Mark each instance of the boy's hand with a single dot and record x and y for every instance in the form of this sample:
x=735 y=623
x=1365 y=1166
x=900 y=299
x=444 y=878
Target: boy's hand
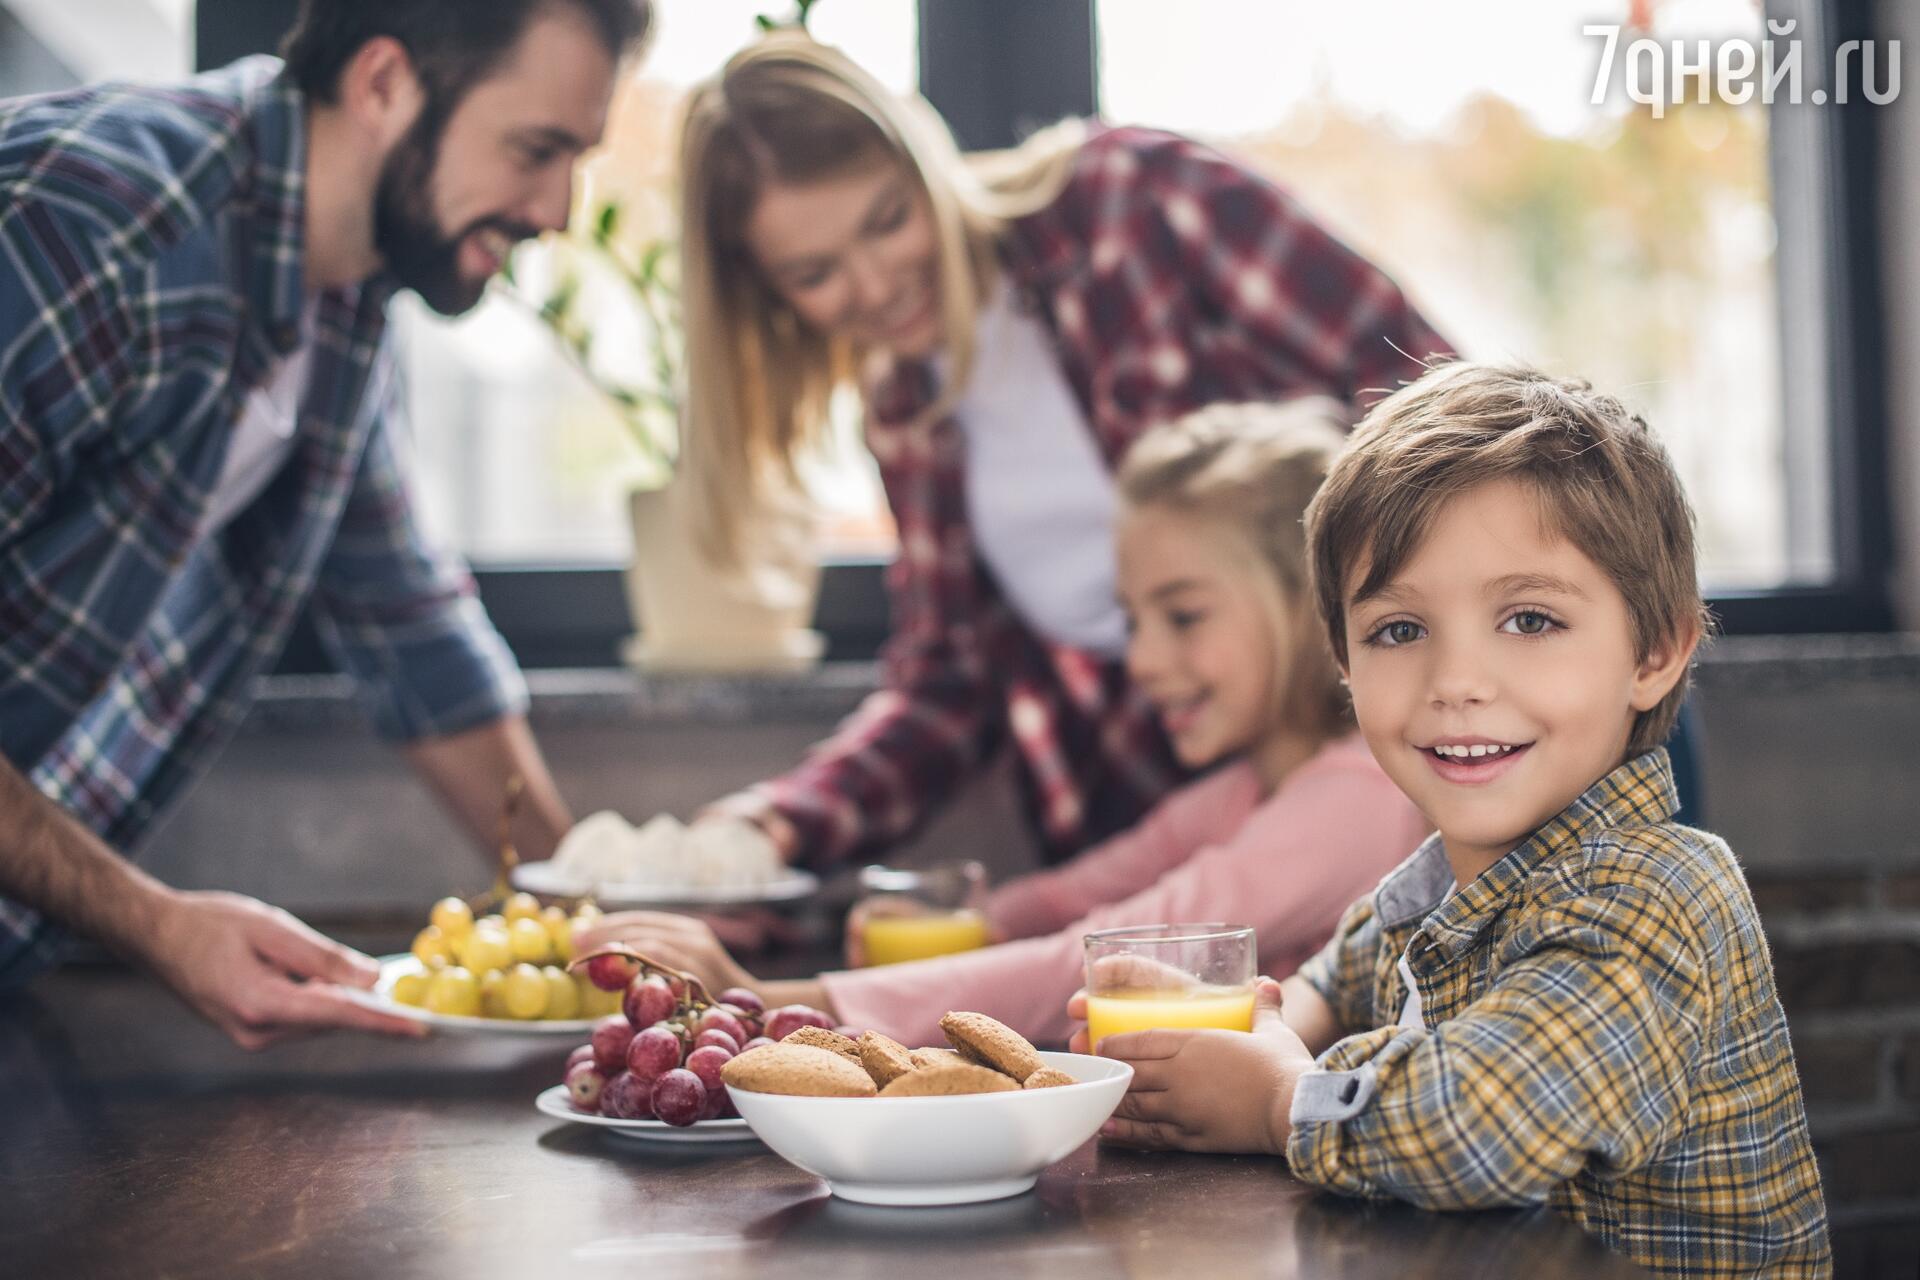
x=1220 y=1091
x=1124 y=971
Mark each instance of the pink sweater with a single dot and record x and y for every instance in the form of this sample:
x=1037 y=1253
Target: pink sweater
x=1288 y=866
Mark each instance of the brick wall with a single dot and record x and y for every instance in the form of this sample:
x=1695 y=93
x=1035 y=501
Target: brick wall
x=1846 y=953
x=1813 y=775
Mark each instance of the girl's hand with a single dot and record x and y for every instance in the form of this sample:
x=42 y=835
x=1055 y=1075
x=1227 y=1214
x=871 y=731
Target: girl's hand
x=1221 y=1091
x=685 y=942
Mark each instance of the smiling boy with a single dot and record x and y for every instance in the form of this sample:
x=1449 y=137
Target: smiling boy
x=1562 y=996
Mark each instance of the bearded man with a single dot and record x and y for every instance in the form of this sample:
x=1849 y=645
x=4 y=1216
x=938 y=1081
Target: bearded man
x=198 y=439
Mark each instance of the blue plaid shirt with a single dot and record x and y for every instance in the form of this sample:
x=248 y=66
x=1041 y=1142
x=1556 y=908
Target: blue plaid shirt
x=151 y=260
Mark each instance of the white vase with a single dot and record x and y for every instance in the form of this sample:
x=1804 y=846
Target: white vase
x=690 y=616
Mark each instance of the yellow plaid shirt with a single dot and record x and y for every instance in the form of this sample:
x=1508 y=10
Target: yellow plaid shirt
x=1600 y=1032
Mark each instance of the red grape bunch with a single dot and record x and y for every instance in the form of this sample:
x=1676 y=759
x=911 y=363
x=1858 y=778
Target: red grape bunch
x=660 y=1057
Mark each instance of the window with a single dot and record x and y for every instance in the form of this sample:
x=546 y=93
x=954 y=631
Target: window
x=523 y=460
x=1527 y=222
x=1757 y=358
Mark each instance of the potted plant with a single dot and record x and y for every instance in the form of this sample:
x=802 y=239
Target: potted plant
x=611 y=299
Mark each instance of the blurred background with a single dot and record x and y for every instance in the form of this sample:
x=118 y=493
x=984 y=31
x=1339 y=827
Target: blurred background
x=1742 y=274
x=1713 y=264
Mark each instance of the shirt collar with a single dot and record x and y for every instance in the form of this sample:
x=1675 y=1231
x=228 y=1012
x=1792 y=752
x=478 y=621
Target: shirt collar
x=276 y=207
x=1414 y=888
x=1640 y=791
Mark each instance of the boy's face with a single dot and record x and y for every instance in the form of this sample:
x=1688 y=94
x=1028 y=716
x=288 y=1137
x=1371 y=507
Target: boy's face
x=1498 y=636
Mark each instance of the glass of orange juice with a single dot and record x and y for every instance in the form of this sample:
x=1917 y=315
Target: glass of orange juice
x=917 y=914
x=1169 y=975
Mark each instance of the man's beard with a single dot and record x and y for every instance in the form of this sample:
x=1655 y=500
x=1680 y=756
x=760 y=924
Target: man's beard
x=408 y=237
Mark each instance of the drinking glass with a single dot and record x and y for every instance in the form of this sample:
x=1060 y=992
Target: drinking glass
x=1169 y=975
x=915 y=914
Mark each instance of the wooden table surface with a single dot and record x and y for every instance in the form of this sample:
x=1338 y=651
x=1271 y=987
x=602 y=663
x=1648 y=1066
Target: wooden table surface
x=134 y=1141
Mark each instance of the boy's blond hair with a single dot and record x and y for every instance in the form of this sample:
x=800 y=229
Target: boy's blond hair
x=1250 y=470
x=1604 y=483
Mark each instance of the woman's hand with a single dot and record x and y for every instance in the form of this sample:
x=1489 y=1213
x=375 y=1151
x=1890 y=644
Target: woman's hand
x=1220 y=1091
x=685 y=942
x=757 y=812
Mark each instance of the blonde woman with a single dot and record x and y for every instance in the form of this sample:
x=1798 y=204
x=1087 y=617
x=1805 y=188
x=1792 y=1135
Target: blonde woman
x=1014 y=323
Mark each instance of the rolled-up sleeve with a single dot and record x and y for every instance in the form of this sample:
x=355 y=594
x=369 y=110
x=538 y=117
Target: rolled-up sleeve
x=1579 y=1052
x=403 y=617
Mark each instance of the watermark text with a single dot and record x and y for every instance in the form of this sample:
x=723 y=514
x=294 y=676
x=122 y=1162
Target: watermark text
x=1662 y=74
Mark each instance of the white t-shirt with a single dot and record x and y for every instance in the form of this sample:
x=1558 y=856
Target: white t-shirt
x=1410 y=1011
x=1039 y=497
x=263 y=438
x=1410 y=1015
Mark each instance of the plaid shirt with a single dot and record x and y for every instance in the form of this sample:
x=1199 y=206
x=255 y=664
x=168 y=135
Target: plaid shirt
x=151 y=260
x=1169 y=278
x=1601 y=1033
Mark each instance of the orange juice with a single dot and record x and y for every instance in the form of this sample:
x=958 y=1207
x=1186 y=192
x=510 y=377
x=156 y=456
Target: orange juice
x=1225 y=1009
x=891 y=939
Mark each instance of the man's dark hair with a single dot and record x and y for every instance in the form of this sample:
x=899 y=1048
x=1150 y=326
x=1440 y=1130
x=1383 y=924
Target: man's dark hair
x=454 y=44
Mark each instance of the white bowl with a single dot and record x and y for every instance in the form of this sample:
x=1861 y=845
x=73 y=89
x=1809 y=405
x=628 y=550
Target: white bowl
x=917 y=1151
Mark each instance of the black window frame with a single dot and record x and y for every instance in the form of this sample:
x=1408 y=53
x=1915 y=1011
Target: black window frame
x=998 y=68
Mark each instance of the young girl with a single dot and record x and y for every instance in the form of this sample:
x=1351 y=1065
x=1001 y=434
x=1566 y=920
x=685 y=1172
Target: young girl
x=1223 y=641
x=1015 y=322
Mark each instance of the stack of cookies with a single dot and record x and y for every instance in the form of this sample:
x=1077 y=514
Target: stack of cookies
x=986 y=1056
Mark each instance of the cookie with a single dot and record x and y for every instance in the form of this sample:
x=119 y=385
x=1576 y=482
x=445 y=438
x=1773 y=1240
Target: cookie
x=886 y=1060
x=821 y=1038
x=934 y=1057
x=945 y=1081
x=1048 y=1078
x=992 y=1043
x=801 y=1070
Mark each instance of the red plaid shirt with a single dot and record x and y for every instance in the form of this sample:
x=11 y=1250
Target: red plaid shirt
x=1170 y=278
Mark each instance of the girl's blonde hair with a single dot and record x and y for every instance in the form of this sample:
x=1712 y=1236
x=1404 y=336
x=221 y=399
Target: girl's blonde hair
x=787 y=109
x=1250 y=470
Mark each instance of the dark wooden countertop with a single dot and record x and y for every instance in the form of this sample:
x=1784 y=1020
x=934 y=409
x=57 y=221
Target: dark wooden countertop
x=134 y=1141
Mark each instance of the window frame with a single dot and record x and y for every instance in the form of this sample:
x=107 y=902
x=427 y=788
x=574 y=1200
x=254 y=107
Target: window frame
x=998 y=68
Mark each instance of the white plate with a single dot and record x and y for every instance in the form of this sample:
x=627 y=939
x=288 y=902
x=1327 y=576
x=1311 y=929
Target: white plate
x=545 y=878
x=553 y=1102
x=381 y=998
x=951 y=1150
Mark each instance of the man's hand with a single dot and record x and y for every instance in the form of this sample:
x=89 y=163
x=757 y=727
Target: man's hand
x=257 y=973
x=1221 y=1091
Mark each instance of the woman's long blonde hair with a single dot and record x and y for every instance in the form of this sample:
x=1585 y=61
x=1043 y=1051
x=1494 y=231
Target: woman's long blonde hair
x=790 y=110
